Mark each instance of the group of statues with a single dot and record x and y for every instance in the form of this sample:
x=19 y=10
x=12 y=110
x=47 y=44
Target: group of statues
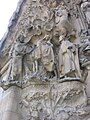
x=29 y=60
x=38 y=60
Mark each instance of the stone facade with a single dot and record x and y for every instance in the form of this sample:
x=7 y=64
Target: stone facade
x=45 y=61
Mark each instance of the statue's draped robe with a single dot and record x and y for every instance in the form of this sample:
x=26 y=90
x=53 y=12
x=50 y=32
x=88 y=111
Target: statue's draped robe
x=46 y=55
x=68 y=59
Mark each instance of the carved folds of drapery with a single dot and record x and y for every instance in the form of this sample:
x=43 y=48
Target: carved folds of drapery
x=50 y=60
x=38 y=51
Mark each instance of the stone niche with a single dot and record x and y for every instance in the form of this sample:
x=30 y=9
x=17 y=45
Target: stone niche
x=45 y=62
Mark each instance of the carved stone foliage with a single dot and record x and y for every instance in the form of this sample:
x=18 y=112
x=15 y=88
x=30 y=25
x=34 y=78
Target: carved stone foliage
x=53 y=103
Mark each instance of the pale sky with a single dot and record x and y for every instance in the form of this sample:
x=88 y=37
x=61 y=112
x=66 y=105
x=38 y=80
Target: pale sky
x=7 y=7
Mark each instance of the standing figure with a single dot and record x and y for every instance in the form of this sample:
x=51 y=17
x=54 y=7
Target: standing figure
x=68 y=57
x=61 y=15
x=45 y=55
x=30 y=64
x=85 y=7
x=17 y=52
x=84 y=51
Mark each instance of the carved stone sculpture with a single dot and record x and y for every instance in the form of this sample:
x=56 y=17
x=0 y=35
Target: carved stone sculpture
x=45 y=55
x=68 y=64
x=85 y=7
x=29 y=63
x=84 y=51
x=17 y=54
x=61 y=15
x=45 y=62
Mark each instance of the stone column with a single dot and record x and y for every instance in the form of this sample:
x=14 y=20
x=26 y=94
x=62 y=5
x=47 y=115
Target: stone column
x=9 y=99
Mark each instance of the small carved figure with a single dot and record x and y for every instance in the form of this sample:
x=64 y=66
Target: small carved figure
x=17 y=53
x=45 y=55
x=84 y=57
x=30 y=64
x=84 y=51
x=61 y=15
x=42 y=113
x=68 y=57
x=85 y=7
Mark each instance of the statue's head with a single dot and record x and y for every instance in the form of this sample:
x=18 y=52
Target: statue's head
x=63 y=33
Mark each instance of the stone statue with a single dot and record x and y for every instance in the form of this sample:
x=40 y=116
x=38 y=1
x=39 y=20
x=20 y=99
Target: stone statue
x=85 y=7
x=17 y=54
x=61 y=15
x=68 y=57
x=84 y=57
x=30 y=64
x=84 y=51
x=45 y=55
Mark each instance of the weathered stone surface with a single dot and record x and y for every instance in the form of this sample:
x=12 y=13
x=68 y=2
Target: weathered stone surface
x=9 y=104
x=45 y=62
x=51 y=100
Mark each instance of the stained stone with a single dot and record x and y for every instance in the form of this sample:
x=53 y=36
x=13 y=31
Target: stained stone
x=45 y=61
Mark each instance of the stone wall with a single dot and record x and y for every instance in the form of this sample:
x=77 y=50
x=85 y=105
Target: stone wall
x=45 y=62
